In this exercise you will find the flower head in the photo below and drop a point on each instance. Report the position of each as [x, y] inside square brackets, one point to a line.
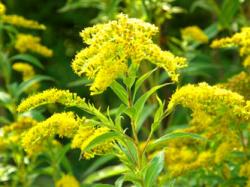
[27, 42]
[62, 124]
[20, 21]
[113, 44]
[50, 96]
[241, 40]
[194, 33]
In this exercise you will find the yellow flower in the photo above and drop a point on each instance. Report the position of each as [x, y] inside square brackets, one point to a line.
[24, 68]
[241, 40]
[85, 135]
[67, 181]
[113, 44]
[22, 124]
[2, 9]
[51, 96]
[27, 42]
[239, 83]
[210, 99]
[62, 124]
[246, 62]
[194, 33]
[22, 22]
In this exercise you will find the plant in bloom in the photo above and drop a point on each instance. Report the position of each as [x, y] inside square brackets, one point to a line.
[129, 39]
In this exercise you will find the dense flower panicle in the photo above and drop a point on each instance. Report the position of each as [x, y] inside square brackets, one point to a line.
[20, 21]
[180, 161]
[27, 42]
[85, 135]
[2, 9]
[62, 124]
[128, 39]
[51, 96]
[239, 83]
[67, 181]
[24, 68]
[241, 40]
[194, 33]
[209, 99]
[22, 124]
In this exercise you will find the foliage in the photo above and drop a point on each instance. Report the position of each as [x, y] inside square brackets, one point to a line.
[168, 98]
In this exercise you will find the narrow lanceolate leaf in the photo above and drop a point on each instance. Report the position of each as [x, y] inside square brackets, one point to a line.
[120, 92]
[139, 82]
[27, 84]
[27, 58]
[228, 10]
[142, 100]
[102, 138]
[174, 135]
[105, 173]
[153, 170]
[97, 164]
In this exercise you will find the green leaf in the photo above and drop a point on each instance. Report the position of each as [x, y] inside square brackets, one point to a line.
[98, 163]
[105, 173]
[5, 98]
[153, 170]
[158, 115]
[119, 182]
[78, 82]
[130, 78]
[119, 90]
[27, 84]
[141, 80]
[174, 135]
[142, 100]
[102, 138]
[228, 10]
[27, 58]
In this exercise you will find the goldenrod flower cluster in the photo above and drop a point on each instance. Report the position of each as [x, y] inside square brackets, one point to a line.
[2, 9]
[182, 160]
[27, 42]
[14, 132]
[241, 40]
[194, 33]
[85, 135]
[24, 68]
[51, 96]
[18, 21]
[209, 99]
[113, 44]
[62, 124]
[67, 181]
[216, 115]
[239, 83]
